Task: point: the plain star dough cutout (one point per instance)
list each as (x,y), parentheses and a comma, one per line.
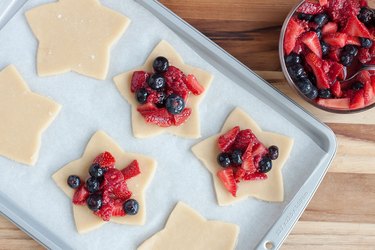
(75,35)
(188,230)
(100,142)
(271,189)
(24,117)
(141,129)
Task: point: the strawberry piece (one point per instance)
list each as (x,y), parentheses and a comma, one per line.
(121,191)
(368,93)
(226,140)
(259,149)
(182,117)
(336,89)
(353,40)
(364,55)
(373,81)
(323,2)
(311,40)
(341,10)
(294,29)
(358,101)
(243,139)
(364,77)
(310,8)
(131,170)
(316,65)
(255,177)
(160,117)
(193,85)
(105,160)
(336,39)
(113,176)
(334,55)
(239,174)
(80,196)
(118,209)
(354,27)
(299,47)
(330,27)
(336,71)
(341,103)
(248,160)
(105,212)
(227,178)
(146,108)
(138,81)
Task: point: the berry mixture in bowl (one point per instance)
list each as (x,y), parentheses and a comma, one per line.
(325,42)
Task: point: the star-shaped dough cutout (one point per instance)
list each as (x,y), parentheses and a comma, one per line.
(186,230)
(75,36)
(100,142)
(24,117)
(271,189)
(141,129)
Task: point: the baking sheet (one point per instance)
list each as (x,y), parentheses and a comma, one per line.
(90,105)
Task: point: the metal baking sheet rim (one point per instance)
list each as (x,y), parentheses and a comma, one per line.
(282,227)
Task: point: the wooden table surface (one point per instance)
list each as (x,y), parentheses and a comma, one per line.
(342,212)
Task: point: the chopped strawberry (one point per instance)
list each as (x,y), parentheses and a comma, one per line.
(105,212)
(354,27)
(294,29)
(323,2)
(193,85)
(340,10)
(330,27)
(373,81)
(182,117)
(131,170)
(334,55)
(316,65)
(353,40)
(336,71)
(368,93)
(336,39)
(311,40)
(146,108)
(364,77)
(259,149)
(310,8)
(358,101)
(160,117)
(364,55)
(255,177)
(239,174)
(138,81)
(105,160)
(336,89)
(80,196)
(113,176)
(341,103)
(299,47)
(243,139)
(227,178)
(118,209)
(248,160)
(226,141)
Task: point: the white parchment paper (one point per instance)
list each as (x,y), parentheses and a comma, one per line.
(90,105)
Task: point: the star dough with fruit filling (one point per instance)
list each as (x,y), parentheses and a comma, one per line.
(271,189)
(24,117)
(85,219)
(75,36)
(141,129)
(186,230)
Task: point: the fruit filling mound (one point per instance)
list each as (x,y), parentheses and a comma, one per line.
(163,95)
(326,42)
(243,158)
(105,191)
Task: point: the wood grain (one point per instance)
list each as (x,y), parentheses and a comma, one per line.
(342,213)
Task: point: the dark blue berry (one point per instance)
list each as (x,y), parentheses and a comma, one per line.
(293,58)
(265,165)
(94,202)
(141,95)
(92,184)
(160,64)
(321,19)
(365,42)
(297,71)
(351,50)
(96,171)
(357,86)
(304,85)
(161,100)
(366,15)
(236,157)
(224,160)
(325,48)
(156,82)
(273,152)
(306,17)
(74,181)
(319,33)
(324,93)
(313,93)
(346,59)
(131,207)
(175,104)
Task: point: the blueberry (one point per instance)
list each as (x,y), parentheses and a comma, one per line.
(324,93)
(319,33)
(160,64)
(131,207)
(273,152)
(93,184)
(346,59)
(94,202)
(366,15)
(292,59)
(304,85)
(321,19)
(313,94)
(351,50)
(162,96)
(141,95)
(365,42)
(325,48)
(357,86)
(156,82)
(297,71)
(224,160)
(306,17)
(236,157)
(265,165)
(175,104)
(96,171)
(74,181)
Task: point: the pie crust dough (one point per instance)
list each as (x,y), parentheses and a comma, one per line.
(141,129)
(188,230)
(75,36)
(84,218)
(24,117)
(271,189)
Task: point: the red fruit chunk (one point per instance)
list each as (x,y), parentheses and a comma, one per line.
(105,160)
(311,40)
(160,117)
(294,29)
(113,176)
(240,173)
(368,93)
(80,196)
(336,39)
(364,77)
(373,81)
(336,89)
(193,85)
(131,170)
(259,149)
(316,65)
(138,81)
(364,55)
(358,101)
(299,47)
(248,160)
(244,138)
(227,178)
(323,2)
(330,27)
(118,209)
(145,108)
(340,10)
(255,177)
(226,140)
(334,55)
(354,27)
(342,103)
(105,212)
(353,40)
(121,191)
(182,117)
(310,8)
(106,195)
(336,71)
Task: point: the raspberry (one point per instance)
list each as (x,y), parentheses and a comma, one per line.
(113,176)
(105,160)
(138,81)
(121,191)
(80,196)
(105,212)
(118,208)
(243,139)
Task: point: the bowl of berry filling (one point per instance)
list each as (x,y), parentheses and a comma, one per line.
(327,54)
